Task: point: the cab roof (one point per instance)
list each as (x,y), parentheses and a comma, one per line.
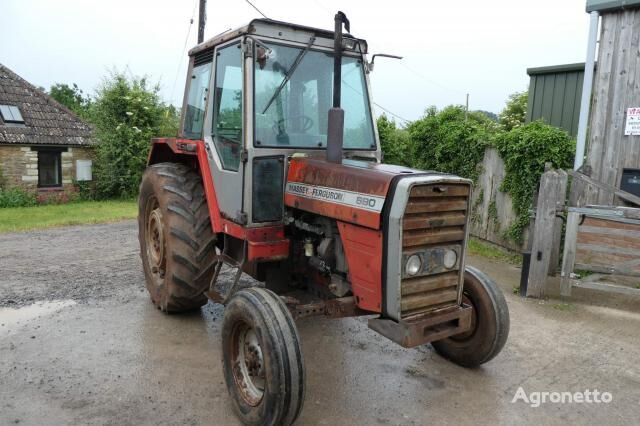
(277,29)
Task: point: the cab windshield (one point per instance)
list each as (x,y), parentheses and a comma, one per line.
(293,94)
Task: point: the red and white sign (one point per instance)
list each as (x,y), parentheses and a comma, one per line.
(632,127)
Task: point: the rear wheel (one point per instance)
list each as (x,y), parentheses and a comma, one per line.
(489,323)
(177,243)
(262,359)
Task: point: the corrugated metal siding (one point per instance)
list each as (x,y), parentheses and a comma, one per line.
(554,95)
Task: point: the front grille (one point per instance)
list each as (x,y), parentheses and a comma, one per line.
(435,216)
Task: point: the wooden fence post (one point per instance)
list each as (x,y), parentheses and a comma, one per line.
(551,200)
(561,203)
(569,256)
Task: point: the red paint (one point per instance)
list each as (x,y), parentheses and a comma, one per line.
(268,251)
(340,212)
(355,176)
(363,249)
(178,146)
(267,243)
(209,188)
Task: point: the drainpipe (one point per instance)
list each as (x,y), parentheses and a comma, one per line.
(587,88)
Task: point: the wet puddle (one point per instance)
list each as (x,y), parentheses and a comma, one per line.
(10,317)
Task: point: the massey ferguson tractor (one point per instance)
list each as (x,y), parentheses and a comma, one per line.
(277,173)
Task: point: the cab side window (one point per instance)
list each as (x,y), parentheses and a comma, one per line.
(196,101)
(227,107)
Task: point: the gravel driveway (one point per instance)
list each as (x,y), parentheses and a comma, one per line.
(80,343)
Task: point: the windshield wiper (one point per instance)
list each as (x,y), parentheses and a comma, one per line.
(289,73)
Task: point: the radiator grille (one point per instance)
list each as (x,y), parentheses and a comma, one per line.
(436,215)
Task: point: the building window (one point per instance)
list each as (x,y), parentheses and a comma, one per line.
(11,114)
(49,169)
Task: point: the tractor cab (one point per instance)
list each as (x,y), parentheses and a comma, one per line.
(260,94)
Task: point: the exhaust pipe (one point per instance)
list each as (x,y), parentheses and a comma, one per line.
(335,131)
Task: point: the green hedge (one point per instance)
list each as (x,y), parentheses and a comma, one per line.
(525,150)
(17,197)
(451,141)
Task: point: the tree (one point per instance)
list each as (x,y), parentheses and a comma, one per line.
(72,97)
(126,114)
(490,115)
(450,141)
(396,144)
(514,113)
(170,121)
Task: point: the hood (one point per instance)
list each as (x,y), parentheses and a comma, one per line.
(354,191)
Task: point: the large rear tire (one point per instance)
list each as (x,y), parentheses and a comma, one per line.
(177,244)
(262,359)
(489,324)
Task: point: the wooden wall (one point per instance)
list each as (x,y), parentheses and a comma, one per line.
(609,246)
(616,88)
(491,209)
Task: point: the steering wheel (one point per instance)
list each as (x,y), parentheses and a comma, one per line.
(306,121)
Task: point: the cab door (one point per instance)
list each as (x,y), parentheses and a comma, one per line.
(224,130)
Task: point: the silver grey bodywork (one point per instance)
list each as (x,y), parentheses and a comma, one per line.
(394,239)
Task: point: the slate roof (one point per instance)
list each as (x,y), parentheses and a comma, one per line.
(46,122)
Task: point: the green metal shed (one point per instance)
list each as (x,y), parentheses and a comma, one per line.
(610,5)
(554,95)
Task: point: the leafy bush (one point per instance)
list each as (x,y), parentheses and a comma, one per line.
(514,113)
(127,114)
(451,141)
(72,97)
(69,195)
(525,150)
(17,197)
(396,143)
(86,190)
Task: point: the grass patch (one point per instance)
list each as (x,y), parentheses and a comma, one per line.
(566,307)
(580,274)
(480,248)
(78,213)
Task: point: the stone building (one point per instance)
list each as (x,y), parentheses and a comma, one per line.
(43,145)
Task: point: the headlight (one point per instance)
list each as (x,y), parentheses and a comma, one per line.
(450,258)
(413,265)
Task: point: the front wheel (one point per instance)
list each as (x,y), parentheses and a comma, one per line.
(262,359)
(489,323)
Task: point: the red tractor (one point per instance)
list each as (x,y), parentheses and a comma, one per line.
(276,173)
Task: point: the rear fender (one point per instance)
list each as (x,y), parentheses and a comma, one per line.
(194,154)
(173,150)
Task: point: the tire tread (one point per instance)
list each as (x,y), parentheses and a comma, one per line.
(190,241)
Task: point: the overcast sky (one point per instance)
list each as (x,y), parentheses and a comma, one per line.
(450,48)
